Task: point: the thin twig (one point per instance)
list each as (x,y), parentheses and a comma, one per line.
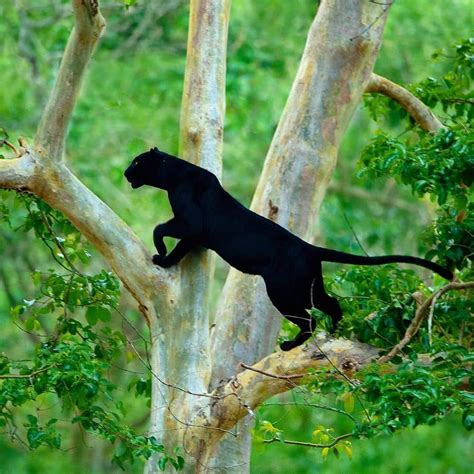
(25,376)
(274,376)
(368,27)
(419,317)
(312,405)
(354,234)
(430,318)
(307,444)
(168,407)
(11,146)
(59,244)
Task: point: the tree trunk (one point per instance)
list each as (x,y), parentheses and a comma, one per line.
(181,334)
(335,69)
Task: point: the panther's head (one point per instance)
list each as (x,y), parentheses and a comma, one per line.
(144,169)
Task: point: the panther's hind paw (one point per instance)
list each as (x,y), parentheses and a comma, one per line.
(287,345)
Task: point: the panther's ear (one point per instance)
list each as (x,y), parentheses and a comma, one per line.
(155,149)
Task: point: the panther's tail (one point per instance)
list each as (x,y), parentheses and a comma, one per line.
(328,255)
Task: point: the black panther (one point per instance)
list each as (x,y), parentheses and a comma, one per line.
(205,215)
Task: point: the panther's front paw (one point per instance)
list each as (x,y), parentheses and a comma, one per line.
(162,260)
(158,259)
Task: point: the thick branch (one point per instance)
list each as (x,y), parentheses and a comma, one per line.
(277,373)
(117,243)
(336,65)
(42,172)
(17,173)
(51,134)
(414,106)
(120,247)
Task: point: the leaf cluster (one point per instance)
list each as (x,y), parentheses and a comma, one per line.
(439,166)
(80,347)
(417,394)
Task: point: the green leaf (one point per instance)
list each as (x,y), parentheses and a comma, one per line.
(442,196)
(348,450)
(32,324)
(180,461)
(162,463)
(34,437)
(468,396)
(96,313)
(348,401)
(121,450)
(32,419)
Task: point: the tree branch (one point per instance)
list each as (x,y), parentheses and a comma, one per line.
(306,444)
(42,172)
(17,173)
(414,106)
(120,247)
(420,315)
(25,376)
(52,130)
(277,373)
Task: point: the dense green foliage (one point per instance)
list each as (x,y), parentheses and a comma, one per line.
(72,362)
(78,344)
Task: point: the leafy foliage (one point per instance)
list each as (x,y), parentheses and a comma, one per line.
(380,303)
(440,166)
(72,364)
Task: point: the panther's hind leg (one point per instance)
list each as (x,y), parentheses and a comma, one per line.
(329,305)
(306,324)
(292,305)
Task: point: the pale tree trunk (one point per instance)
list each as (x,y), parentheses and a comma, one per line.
(181,333)
(201,398)
(334,71)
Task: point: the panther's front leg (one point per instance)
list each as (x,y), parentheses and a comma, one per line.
(158,241)
(172,228)
(182,248)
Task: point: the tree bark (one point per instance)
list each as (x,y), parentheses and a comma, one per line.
(422,114)
(181,335)
(335,69)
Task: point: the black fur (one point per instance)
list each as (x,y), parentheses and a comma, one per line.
(205,215)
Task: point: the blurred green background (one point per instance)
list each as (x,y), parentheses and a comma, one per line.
(131,101)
